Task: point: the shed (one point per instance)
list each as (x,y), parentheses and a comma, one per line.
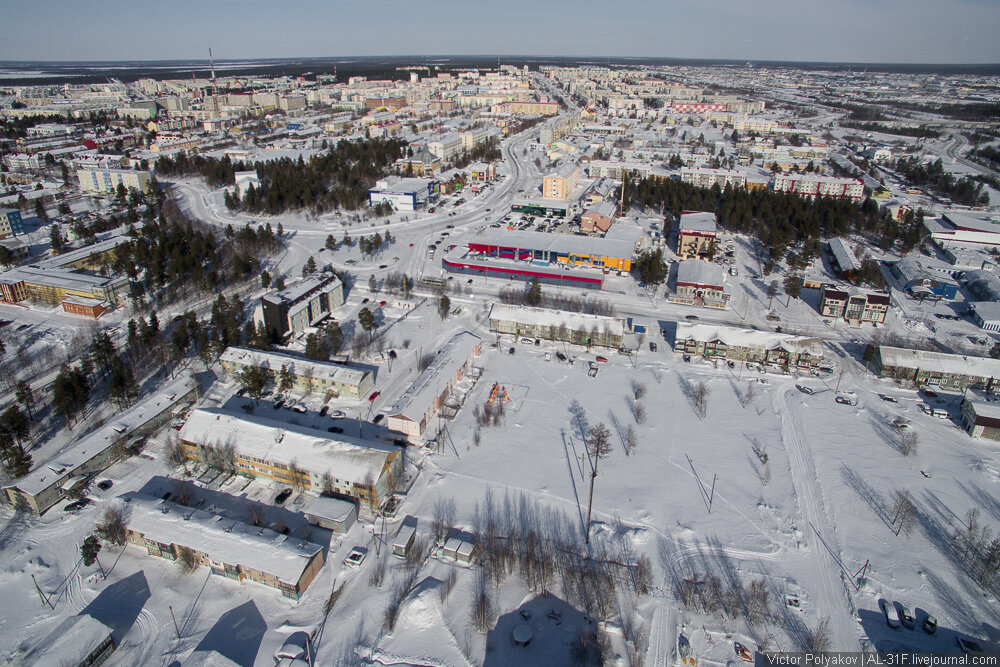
(460,549)
(404,537)
(332,513)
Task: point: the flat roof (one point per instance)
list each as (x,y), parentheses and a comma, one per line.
(297,365)
(417,398)
(939,362)
(283,442)
(226,540)
(555,318)
(558,243)
(56,469)
(698,221)
(75,638)
(302,288)
(969,221)
(700,272)
(333,509)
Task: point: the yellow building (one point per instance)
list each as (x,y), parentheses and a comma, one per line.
(107,180)
(560,183)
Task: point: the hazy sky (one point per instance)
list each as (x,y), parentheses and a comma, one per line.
(906,31)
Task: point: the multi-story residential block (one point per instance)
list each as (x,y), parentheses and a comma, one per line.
(558,325)
(561,182)
(807,185)
(307,375)
(764,347)
(446,146)
(107,180)
(229,548)
(428,395)
(853,304)
(704,177)
(303,304)
(696,234)
(527,108)
(313,460)
(11,223)
(937,369)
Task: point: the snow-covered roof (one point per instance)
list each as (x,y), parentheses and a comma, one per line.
(606,208)
(62,465)
(415,401)
(987,311)
(749,338)
(844,255)
(699,272)
(71,642)
(72,256)
(555,318)
(983,284)
(333,509)
(274,361)
(977,222)
(939,362)
(698,221)
(227,540)
(558,243)
(303,288)
(282,442)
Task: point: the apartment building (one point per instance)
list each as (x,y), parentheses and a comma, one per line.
(561,181)
(808,185)
(763,347)
(558,325)
(293,455)
(428,395)
(303,304)
(229,548)
(446,146)
(696,234)
(307,375)
(108,180)
(704,177)
(11,223)
(937,369)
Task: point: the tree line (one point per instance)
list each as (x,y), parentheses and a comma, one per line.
(964,191)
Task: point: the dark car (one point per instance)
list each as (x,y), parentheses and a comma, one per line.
(335,429)
(379,417)
(929,394)
(364,300)
(652,346)
(283,496)
(383,266)
(690,317)
(242,391)
(278,403)
(510,351)
(77,505)
(469,281)
(324,410)
(105,484)
(888,399)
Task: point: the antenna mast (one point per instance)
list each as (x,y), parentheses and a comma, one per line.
(211,62)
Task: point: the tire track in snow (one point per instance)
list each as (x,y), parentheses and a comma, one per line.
(831,594)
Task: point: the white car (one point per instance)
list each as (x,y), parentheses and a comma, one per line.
(356,557)
(338,414)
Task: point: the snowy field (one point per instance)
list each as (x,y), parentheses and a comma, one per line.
(693,497)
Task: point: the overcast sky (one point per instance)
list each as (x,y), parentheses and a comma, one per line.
(904,31)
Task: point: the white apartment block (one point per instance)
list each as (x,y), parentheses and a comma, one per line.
(706,178)
(806,185)
(107,180)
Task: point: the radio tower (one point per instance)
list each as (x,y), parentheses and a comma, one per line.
(211,62)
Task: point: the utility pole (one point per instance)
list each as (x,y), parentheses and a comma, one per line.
(711,495)
(176,629)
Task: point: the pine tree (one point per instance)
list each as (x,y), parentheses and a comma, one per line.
(309,267)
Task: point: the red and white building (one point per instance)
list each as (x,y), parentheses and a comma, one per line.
(809,185)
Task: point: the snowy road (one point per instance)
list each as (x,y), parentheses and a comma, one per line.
(831,602)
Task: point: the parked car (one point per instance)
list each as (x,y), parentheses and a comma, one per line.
(691,317)
(356,557)
(888,399)
(891,617)
(105,484)
(602,359)
(652,346)
(324,410)
(928,393)
(379,417)
(373,396)
(77,505)
(843,400)
(365,300)
(335,429)
(905,616)
(804,389)
(300,408)
(381,304)
(282,497)
(510,351)
(338,414)
(278,403)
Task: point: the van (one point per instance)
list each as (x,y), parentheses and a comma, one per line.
(940,414)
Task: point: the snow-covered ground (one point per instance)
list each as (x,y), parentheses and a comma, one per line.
(691,498)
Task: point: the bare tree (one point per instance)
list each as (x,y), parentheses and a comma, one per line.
(444,518)
(699,399)
(906,441)
(643,575)
(598,447)
(187,560)
(818,640)
(255,515)
(113,524)
(903,515)
(181,493)
(759,450)
(447,585)
(638,390)
(173,451)
(631,439)
(639,412)
(757,608)
(746,397)
(482,606)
